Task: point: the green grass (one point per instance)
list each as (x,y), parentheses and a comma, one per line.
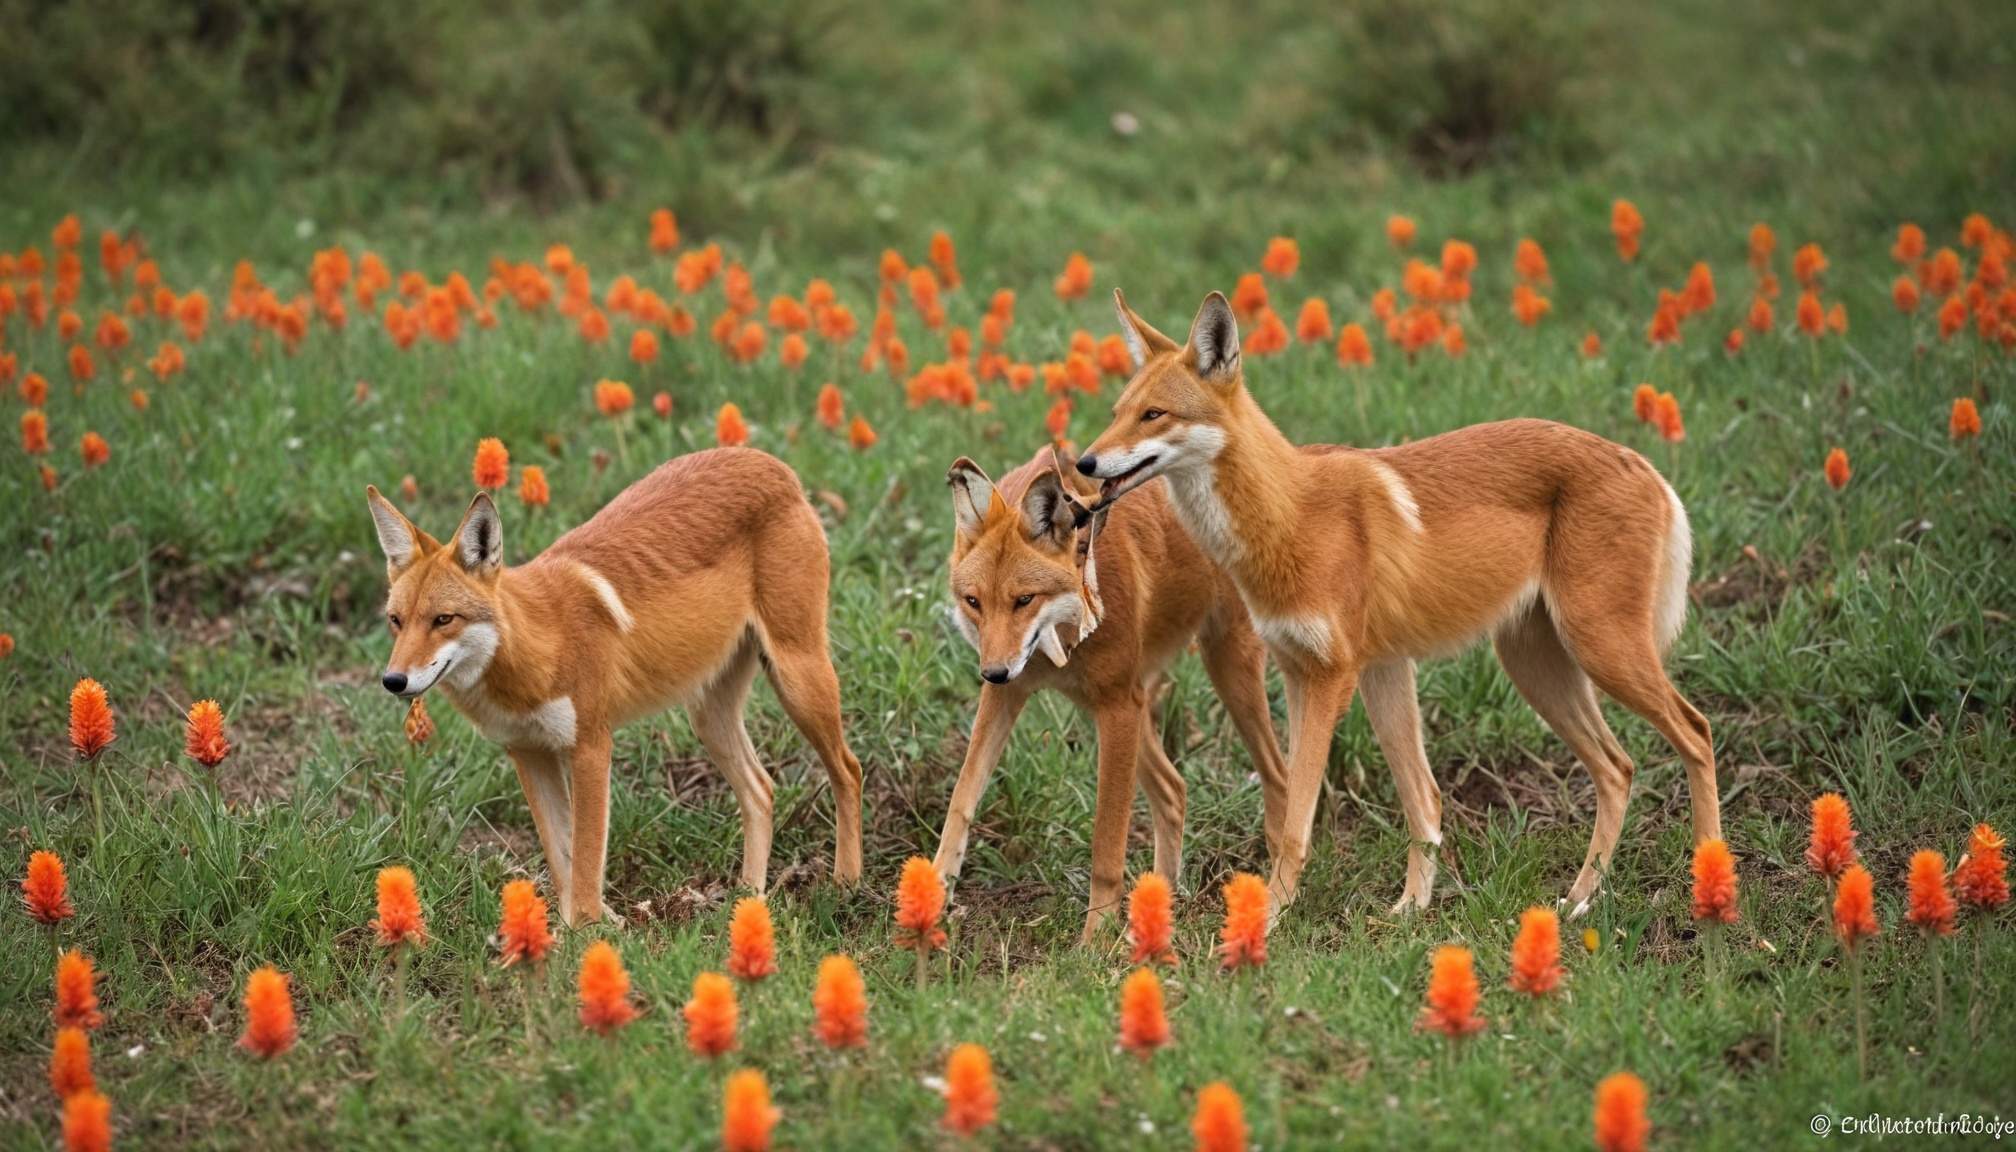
(225,551)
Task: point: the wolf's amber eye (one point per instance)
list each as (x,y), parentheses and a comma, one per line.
(1023,600)
(973,602)
(442,621)
(1152,414)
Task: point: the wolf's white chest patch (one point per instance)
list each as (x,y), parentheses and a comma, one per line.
(550,725)
(1296,635)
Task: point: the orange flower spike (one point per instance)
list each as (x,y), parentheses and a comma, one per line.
(1268,336)
(1529,262)
(832,409)
(1904,294)
(662,405)
(1244,937)
(1831,846)
(1975,230)
(419,726)
(1451,1002)
(1760,318)
(399,920)
(604,990)
(76,997)
(44,891)
(1699,293)
(70,1064)
(1807,264)
(920,901)
(1620,1120)
(34,388)
(1910,246)
(532,487)
(1354,348)
(1592,346)
(1855,907)
(81,365)
(1952,317)
(1667,417)
(1714,882)
(970,1096)
(1282,258)
(1399,231)
(1941,275)
(730,431)
(1932,906)
(1981,881)
(94,449)
(1312,324)
(710,1015)
(1529,306)
(643,346)
(1965,421)
(269,1014)
(87,1122)
(746,1113)
(1459,259)
(840,1004)
(944,259)
(492,469)
(860,435)
(1645,403)
(1219,1123)
(752,942)
(1536,953)
(664,231)
(204,740)
(1627,226)
(1836,470)
(67,234)
(1151,920)
(524,931)
(1144,1026)
(1076,280)
(1837,318)
(91,728)
(613,397)
(1453,342)
(792,351)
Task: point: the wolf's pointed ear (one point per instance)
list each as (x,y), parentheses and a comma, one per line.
(479,541)
(1214,341)
(1050,513)
(1143,341)
(973,496)
(401,542)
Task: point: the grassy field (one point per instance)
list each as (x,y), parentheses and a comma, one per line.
(225,551)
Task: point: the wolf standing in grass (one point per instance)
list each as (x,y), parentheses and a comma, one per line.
(1569,551)
(672,594)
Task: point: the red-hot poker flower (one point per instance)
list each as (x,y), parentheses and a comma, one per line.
(613,397)
(1904,294)
(1282,257)
(1529,306)
(1592,346)
(1855,907)
(1627,226)
(1450,1006)
(1952,317)
(1249,296)
(1666,416)
(643,346)
(1836,470)
(532,487)
(1529,262)
(1714,882)
(1219,1124)
(1144,1027)
(492,469)
(1910,246)
(710,1015)
(44,889)
(604,990)
(662,405)
(87,1122)
(1965,420)
(399,920)
(70,1064)
(523,932)
(419,725)
(1807,264)
(1981,881)
(204,740)
(1941,274)
(1268,336)
(76,995)
(832,410)
(1645,403)
(1058,420)
(860,435)
(269,1014)
(91,730)
(1536,953)
(840,1004)
(94,450)
(1243,940)
(1810,316)
(1354,349)
(1620,1120)
(1076,280)
(81,366)
(1831,846)
(970,1097)
(1760,317)
(1976,230)
(664,231)
(1399,231)
(1932,906)
(944,259)
(920,901)
(746,1113)
(1312,324)
(1151,921)
(730,431)
(752,942)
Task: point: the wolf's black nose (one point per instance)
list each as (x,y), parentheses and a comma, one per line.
(994,675)
(1088,464)
(395,682)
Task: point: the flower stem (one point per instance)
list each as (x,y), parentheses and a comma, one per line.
(1861,1015)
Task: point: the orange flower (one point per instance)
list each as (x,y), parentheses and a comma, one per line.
(970,1098)
(399,920)
(1952,317)
(1383,304)
(112,333)
(1760,318)
(746,1114)
(1904,294)
(1807,264)
(76,1001)
(1529,306)
(748,343)
(1269,336)
(35,433)
(1529,263)
(204,740)
(269,1014)
(1621,1125)
(664,231)
(1974,230)
(67,234)
(1592,346)
(594,325)
(1354,349)
(613,397)
(1714,882)
(1282,257)
(1836,470)
(91,729)
(1811,317)
(752,943)
(1965,421)
(1399,231)
(860,435)
(48,477)
(1076,280)
(43,890)
(419,726)
(94,449)
(662,405)
(1667,417)
(1665,326)
(643,346)
(1453,342)
(944,260)
(1733,342)
(1855,907)
(1627,225)
(34,388)
(1699,293)
(1249,296)
(81,367)
(523,930)
(1837,318)
(1452,995)
(68,324)
(1536,953)
(920,901)
(1932,907)
(532,487)
(832,410)
(1832,843)
(1220,1122)
(70,1064)
(1910,246)
(1941,275)
(840,1005)
(166,361)
(1244,937)
(604,989)
(493,464)
(729,429)
(710,1015)
(1143,1025)
(1151,920)
(138,398)
(1459,259)
(87,1122)
(6,645)
(1313,323)
(1981,880)
(836,323)
(791,351)
(1645,403)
